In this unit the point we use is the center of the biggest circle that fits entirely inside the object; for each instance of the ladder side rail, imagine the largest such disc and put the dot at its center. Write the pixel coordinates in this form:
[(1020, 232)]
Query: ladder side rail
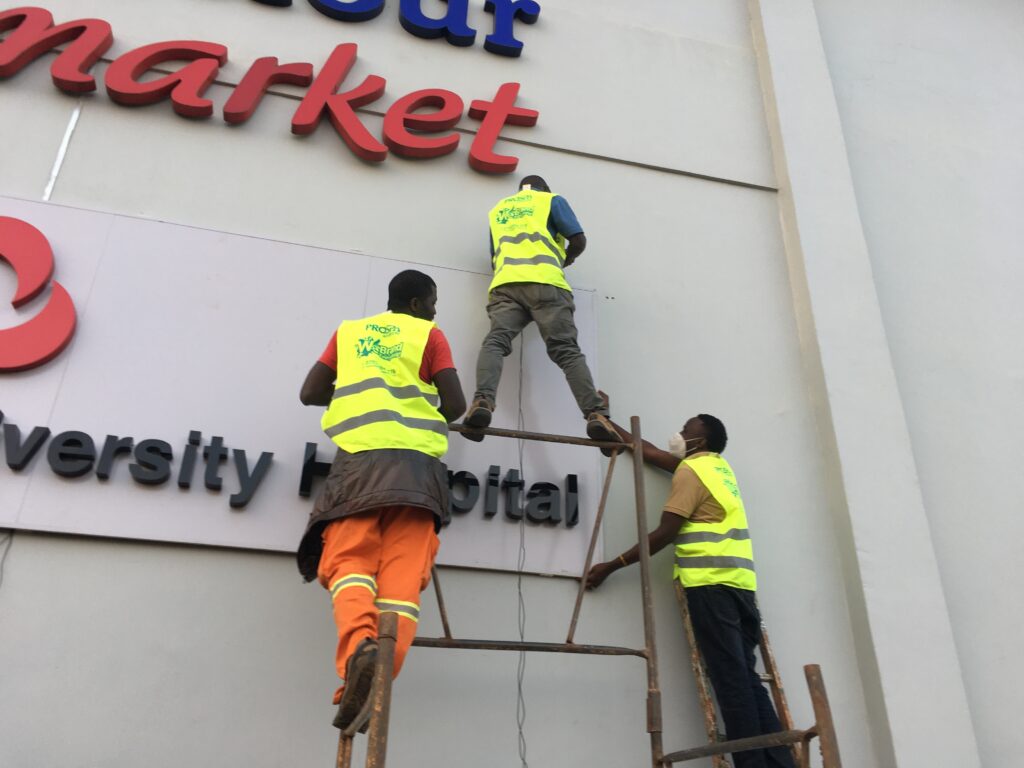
[(344, 759), (700, 678), (440, 603), (380, 701), (590, 550), (654, 719), (823, 717), (775, 683)]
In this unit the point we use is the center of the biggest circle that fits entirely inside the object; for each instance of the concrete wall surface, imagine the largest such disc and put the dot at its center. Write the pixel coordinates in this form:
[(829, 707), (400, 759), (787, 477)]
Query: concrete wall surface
[(931, 97)]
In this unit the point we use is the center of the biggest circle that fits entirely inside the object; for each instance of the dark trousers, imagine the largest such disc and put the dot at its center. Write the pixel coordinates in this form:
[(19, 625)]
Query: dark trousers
[(727, 626)]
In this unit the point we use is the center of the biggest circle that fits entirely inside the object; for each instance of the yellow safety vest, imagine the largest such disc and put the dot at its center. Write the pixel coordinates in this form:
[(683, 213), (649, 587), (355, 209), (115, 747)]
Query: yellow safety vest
[(380, 401), (716, 553), (524, 250)]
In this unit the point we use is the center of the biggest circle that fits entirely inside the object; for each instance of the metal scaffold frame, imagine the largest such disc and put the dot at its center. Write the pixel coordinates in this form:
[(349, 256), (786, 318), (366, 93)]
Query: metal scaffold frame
[(380, 702)]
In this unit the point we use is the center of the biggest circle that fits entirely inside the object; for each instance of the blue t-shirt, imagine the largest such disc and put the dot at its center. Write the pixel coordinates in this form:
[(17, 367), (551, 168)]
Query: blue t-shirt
[(561, 221)]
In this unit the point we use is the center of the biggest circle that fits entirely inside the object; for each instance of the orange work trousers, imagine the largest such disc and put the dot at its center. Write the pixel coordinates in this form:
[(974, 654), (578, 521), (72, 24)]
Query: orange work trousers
[(372, 563)]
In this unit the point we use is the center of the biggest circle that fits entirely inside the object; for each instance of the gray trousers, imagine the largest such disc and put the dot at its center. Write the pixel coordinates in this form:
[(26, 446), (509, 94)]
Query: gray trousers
[(511, 307)]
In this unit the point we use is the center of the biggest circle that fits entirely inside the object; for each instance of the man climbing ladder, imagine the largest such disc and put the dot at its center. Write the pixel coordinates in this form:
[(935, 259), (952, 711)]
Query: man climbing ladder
[(705, 517), (391, 388)]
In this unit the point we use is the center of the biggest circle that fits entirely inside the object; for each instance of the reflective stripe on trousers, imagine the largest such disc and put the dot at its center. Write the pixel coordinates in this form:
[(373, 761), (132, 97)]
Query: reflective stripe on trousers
[(353, 580), (401, 607)]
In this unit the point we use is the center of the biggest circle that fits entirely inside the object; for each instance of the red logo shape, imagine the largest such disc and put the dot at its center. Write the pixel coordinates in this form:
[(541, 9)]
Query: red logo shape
[(42, 338)]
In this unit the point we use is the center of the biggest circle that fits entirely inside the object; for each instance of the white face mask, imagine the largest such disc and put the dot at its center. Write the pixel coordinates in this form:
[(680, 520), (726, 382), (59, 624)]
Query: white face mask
[(677, 445)]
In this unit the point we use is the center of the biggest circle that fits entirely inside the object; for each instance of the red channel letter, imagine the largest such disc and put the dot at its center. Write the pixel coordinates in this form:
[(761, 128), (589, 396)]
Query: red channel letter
[(495, 115), (340, 107), (400, 117), (42, 338), (34, 35), (185, 87), (262, 74)]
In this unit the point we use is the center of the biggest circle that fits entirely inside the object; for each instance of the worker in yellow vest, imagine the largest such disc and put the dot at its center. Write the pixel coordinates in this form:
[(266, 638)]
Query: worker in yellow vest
[(391, 389), (714, 561), (534, 236)]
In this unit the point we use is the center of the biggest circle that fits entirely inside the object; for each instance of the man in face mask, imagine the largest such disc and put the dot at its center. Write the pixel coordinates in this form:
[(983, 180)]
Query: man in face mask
[(714, 561)]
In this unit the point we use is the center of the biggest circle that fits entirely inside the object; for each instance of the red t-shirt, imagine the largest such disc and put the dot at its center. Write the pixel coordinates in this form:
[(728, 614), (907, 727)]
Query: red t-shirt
[(437, 355)]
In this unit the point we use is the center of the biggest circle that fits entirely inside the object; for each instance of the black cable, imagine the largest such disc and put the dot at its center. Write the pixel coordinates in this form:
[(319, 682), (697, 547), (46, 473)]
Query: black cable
[(521, 667), (8, 541)]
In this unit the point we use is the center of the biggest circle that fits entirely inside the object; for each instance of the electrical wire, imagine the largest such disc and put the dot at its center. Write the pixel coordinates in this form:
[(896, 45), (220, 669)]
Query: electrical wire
[(521, 667), (7, 542)]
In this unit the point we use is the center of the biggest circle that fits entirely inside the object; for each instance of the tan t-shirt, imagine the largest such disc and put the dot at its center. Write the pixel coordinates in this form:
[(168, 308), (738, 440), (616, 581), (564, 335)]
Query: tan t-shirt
[(690, 498)]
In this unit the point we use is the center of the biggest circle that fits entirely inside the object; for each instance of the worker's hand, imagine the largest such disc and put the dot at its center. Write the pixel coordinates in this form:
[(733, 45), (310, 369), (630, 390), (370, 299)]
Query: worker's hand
[(569, 261), (598, 574)]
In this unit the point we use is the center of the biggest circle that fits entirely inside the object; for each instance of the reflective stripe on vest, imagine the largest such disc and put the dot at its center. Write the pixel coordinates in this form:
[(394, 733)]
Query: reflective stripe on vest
[(524, 250), (379, 399), (716, 553)]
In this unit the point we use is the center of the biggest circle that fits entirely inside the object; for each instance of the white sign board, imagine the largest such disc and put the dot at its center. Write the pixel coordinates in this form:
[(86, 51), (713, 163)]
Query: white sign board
[(184, 330)]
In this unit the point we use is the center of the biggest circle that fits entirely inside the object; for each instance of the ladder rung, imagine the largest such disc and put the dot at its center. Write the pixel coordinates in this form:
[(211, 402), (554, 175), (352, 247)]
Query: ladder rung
[(780, 739), (766, 678), (516, 645)]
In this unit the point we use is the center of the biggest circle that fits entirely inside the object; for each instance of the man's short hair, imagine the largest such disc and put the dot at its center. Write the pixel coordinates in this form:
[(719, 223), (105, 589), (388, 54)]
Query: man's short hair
[(535, 182), (406, 286), (714, 431)]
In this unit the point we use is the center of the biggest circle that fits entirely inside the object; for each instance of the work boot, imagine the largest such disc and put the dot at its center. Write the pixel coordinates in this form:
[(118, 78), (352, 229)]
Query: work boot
[(599, 428), (479, 417), (358, 683)]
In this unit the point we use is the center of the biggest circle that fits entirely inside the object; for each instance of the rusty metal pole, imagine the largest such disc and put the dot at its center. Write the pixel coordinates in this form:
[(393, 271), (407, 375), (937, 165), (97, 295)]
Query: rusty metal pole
[(699, 677), (377, 741), (592, 547), (344, 751), (653, 691), (823, 717), (778, 692), (440, 603)]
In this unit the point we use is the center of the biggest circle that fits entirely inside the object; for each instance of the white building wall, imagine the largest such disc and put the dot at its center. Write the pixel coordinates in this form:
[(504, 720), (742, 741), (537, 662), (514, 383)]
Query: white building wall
[(931, 97), (172, 655)]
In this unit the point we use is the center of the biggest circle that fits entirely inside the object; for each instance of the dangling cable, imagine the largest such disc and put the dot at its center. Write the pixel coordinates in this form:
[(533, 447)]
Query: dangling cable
[(7, 542), (521, 668)]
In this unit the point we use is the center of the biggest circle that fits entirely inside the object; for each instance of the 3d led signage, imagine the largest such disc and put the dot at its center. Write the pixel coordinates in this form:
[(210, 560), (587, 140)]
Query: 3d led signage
[(453, 26), (31, 33)]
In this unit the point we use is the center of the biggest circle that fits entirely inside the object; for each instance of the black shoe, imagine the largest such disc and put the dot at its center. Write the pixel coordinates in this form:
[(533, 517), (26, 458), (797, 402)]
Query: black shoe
[(358, 683), (479, 417), (479, 414), (599, 428)]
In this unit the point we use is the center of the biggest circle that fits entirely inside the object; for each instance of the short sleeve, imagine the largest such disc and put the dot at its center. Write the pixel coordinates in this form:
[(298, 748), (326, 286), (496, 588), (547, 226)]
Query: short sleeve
[(330, 354), (437, 356), (563, 218), (687, 494)]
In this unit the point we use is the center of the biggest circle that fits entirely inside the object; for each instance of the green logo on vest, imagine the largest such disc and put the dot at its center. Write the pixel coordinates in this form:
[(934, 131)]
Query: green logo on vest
[(505, 215), (383, 330), (370, 345)]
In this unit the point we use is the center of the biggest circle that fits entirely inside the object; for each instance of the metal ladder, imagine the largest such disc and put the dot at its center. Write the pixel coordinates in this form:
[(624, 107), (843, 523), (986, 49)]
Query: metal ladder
[(378, 713)]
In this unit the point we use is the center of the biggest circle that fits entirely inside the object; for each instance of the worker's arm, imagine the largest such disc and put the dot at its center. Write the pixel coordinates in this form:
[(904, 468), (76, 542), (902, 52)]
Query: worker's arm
[(318, 388), (449, 389), (564, 221), (576, 246), (658, 539), (653, 455)]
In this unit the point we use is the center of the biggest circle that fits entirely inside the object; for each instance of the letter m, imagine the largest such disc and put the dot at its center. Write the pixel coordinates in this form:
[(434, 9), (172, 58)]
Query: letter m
[(34, 34)]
